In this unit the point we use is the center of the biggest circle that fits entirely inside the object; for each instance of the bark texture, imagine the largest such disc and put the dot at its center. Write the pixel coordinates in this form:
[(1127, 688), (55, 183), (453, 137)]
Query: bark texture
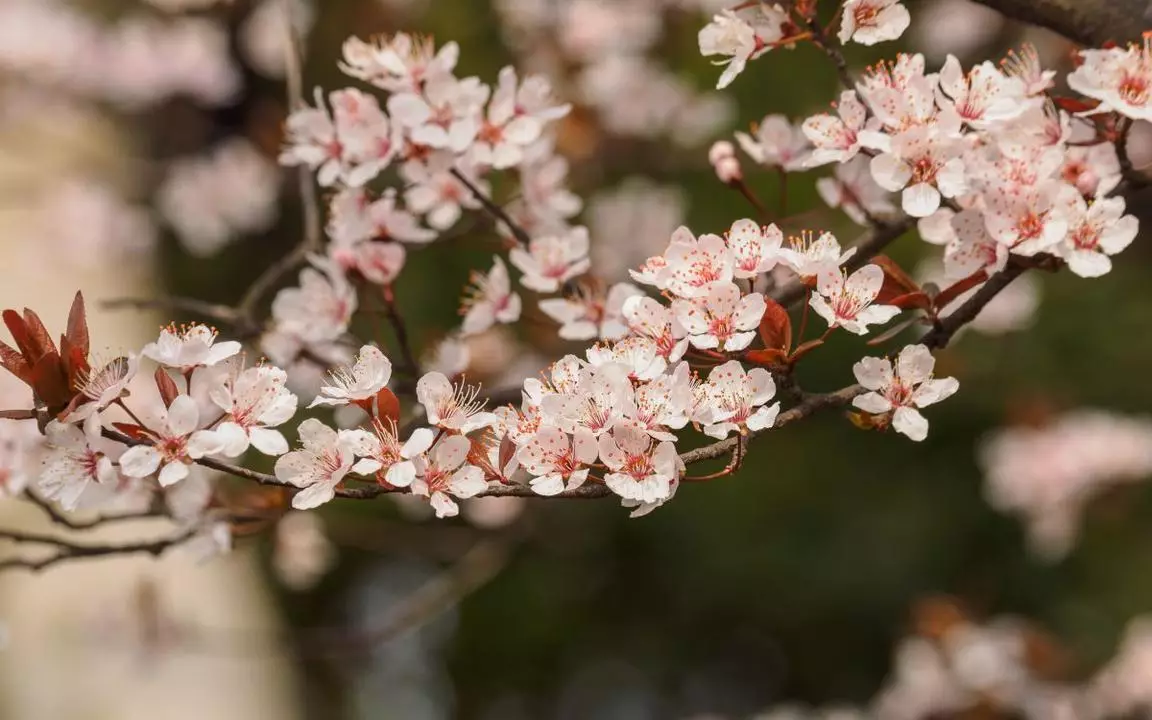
[(1088, 22)]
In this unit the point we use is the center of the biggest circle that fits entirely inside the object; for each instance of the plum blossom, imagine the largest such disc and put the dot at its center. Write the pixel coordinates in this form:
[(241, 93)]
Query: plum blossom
[(321, 464), (434, 192), (775, 142), (835, 138), (722, 318), (175, 444), (846, 300), (515, 119), (1120, 78), (551, 261), (452, 407), (741, 40), (444, 114), (722, 158), (1096, 231), (924, 163), (809, 258), (734, 400), (557, 461), (1028, 222), (490, 301), (442, 474), (311, 141), (694, 264), (256, 401), (189, 346), (637, 355), (643, 472), (852, 189), (400, 63), (75, 456), (319, 309), (659, 405), (902, 388), (590, 313), (754, 249), (873, 21), (984, 97), (103, 386), (368, 376), (395, 457), (648, 318)]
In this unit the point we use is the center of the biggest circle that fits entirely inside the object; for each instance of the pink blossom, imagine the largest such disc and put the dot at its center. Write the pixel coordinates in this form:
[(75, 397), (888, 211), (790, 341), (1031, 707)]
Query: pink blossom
[(721, 318), (902, 388)]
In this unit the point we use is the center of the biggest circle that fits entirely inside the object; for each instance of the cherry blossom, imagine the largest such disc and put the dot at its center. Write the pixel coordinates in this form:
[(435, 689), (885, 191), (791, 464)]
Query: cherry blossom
[(320, 465), (319, 309), (491, 300), (175, 444), (969, 247), (452, 407), (401, 63), (256, 401), (593, 401), (312, 141), (659, 405), (1029, 222), (368, 376), (741, 40), (396, 457), (1025, 66), (722, 158), (433, 191), (189, 346), (775, 142), (873, 21), (643, 475), (638, 356), (924, 164), (75, 456), (444, 114), (901, 388), (984, 97), (557, 461), (1120, 78), (443, 474), (515, 119), (846, 300), (590, 313), (694, 264), (103, 386), (649, 318), (853, 190), (549, 262), (735, 400), (1096, 231), (722, 318), (809, 258), (835, 138)]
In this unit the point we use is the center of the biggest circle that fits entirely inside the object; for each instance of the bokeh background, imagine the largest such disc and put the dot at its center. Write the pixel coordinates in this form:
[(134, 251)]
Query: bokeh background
[(791, 582)]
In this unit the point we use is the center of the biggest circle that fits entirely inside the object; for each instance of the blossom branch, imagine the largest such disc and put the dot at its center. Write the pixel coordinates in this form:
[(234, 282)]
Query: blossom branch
[(67, 550), (498, 213)]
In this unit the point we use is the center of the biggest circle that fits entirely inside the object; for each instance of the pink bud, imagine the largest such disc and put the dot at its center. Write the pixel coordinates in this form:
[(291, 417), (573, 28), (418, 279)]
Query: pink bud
[(721, 150), (723, 158)]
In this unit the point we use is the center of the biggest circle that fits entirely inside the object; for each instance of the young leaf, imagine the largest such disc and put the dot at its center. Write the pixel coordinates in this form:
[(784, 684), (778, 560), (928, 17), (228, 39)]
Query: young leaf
[(804, 349), (78, 325), (167, 386), (38, 337), (897, 283), (776, 327), (388, 405)]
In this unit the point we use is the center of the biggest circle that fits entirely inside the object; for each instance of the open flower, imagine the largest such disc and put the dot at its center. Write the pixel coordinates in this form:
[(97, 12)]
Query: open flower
[(1096, 232), (776, 142), (735, 400), (189, 346), (590, 313), (754, 249), (1120, 78), (103, 386), (872, 21), (846, 301), (442, 474), (835, 137), (326, 457), (649, 318), (395, 457), (491, 300), (810, 259), (256, 401), (551, 261), (722, 318), (452, 407), (902, 388), (368, 376), (557, 461), (643, 472), (76, 456), (175, 444), (741, 40)]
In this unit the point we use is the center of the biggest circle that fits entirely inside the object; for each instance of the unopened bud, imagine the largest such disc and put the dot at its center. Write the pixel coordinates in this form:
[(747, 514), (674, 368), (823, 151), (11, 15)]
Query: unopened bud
[(723, 158)]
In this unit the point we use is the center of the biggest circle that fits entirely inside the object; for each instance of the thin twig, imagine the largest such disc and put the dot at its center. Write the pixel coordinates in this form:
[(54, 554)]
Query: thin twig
[(211, 311), (72, 523), (498, 213), (67, 550)]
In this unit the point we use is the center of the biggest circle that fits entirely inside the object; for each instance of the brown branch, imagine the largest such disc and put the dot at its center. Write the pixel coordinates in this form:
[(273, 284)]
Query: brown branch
[(211, 311), (498, 213), (67, 550), (72, 523), (831, 48), (1088, 22)]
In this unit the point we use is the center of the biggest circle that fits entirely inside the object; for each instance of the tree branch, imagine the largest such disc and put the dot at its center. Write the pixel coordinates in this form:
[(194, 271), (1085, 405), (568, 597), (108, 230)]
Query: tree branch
[(67, 550), (1088, 22), (498, 213)]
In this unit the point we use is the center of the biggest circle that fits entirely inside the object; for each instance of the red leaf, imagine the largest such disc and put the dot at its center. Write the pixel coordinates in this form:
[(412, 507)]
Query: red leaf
[(766, 358), (1075, 105), (507, 452), (78, 324), (916, 299), (14, 363), (804, 349), (388, 405), (776, 327), (132, 430), (955, 290), (19, 332), (896, 282), (38, 336), (167, 386), (49, 383)]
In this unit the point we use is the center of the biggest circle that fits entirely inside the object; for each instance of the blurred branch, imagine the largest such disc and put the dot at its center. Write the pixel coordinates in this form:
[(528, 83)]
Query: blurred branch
[(1088, 22), (72, 523), (67, 550), (498, 213)]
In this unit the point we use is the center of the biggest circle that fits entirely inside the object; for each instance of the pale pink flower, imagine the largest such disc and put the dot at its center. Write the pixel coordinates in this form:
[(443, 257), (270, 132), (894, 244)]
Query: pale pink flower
[(490, 301), (103, 386), (846, 300), (256, 401), (1027, 223), (452, 407), (694, 264), (442, 474), (175, 444), (367, 377), (755, 249), (835, 137), (902, 389), (637, 357), (741, 40), (643, 472), (810, 259), (1094, 170), (396, 458), (321, 464), (1120, 78), (649, 318), (584, 398), (722, 157), (368, 140), (873, 21), (924, 165), (853, 190), (557, 461), (319, 309), (591, 313), (434, 192), (1025, 66), (515, 119), (722, 318), (311, 141), (551, 261), (444, 114), (969, 248), (984, 97), (398, 64), (1096, 231), (736, 400), (776, 142), (74, 457), (189, 347)]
